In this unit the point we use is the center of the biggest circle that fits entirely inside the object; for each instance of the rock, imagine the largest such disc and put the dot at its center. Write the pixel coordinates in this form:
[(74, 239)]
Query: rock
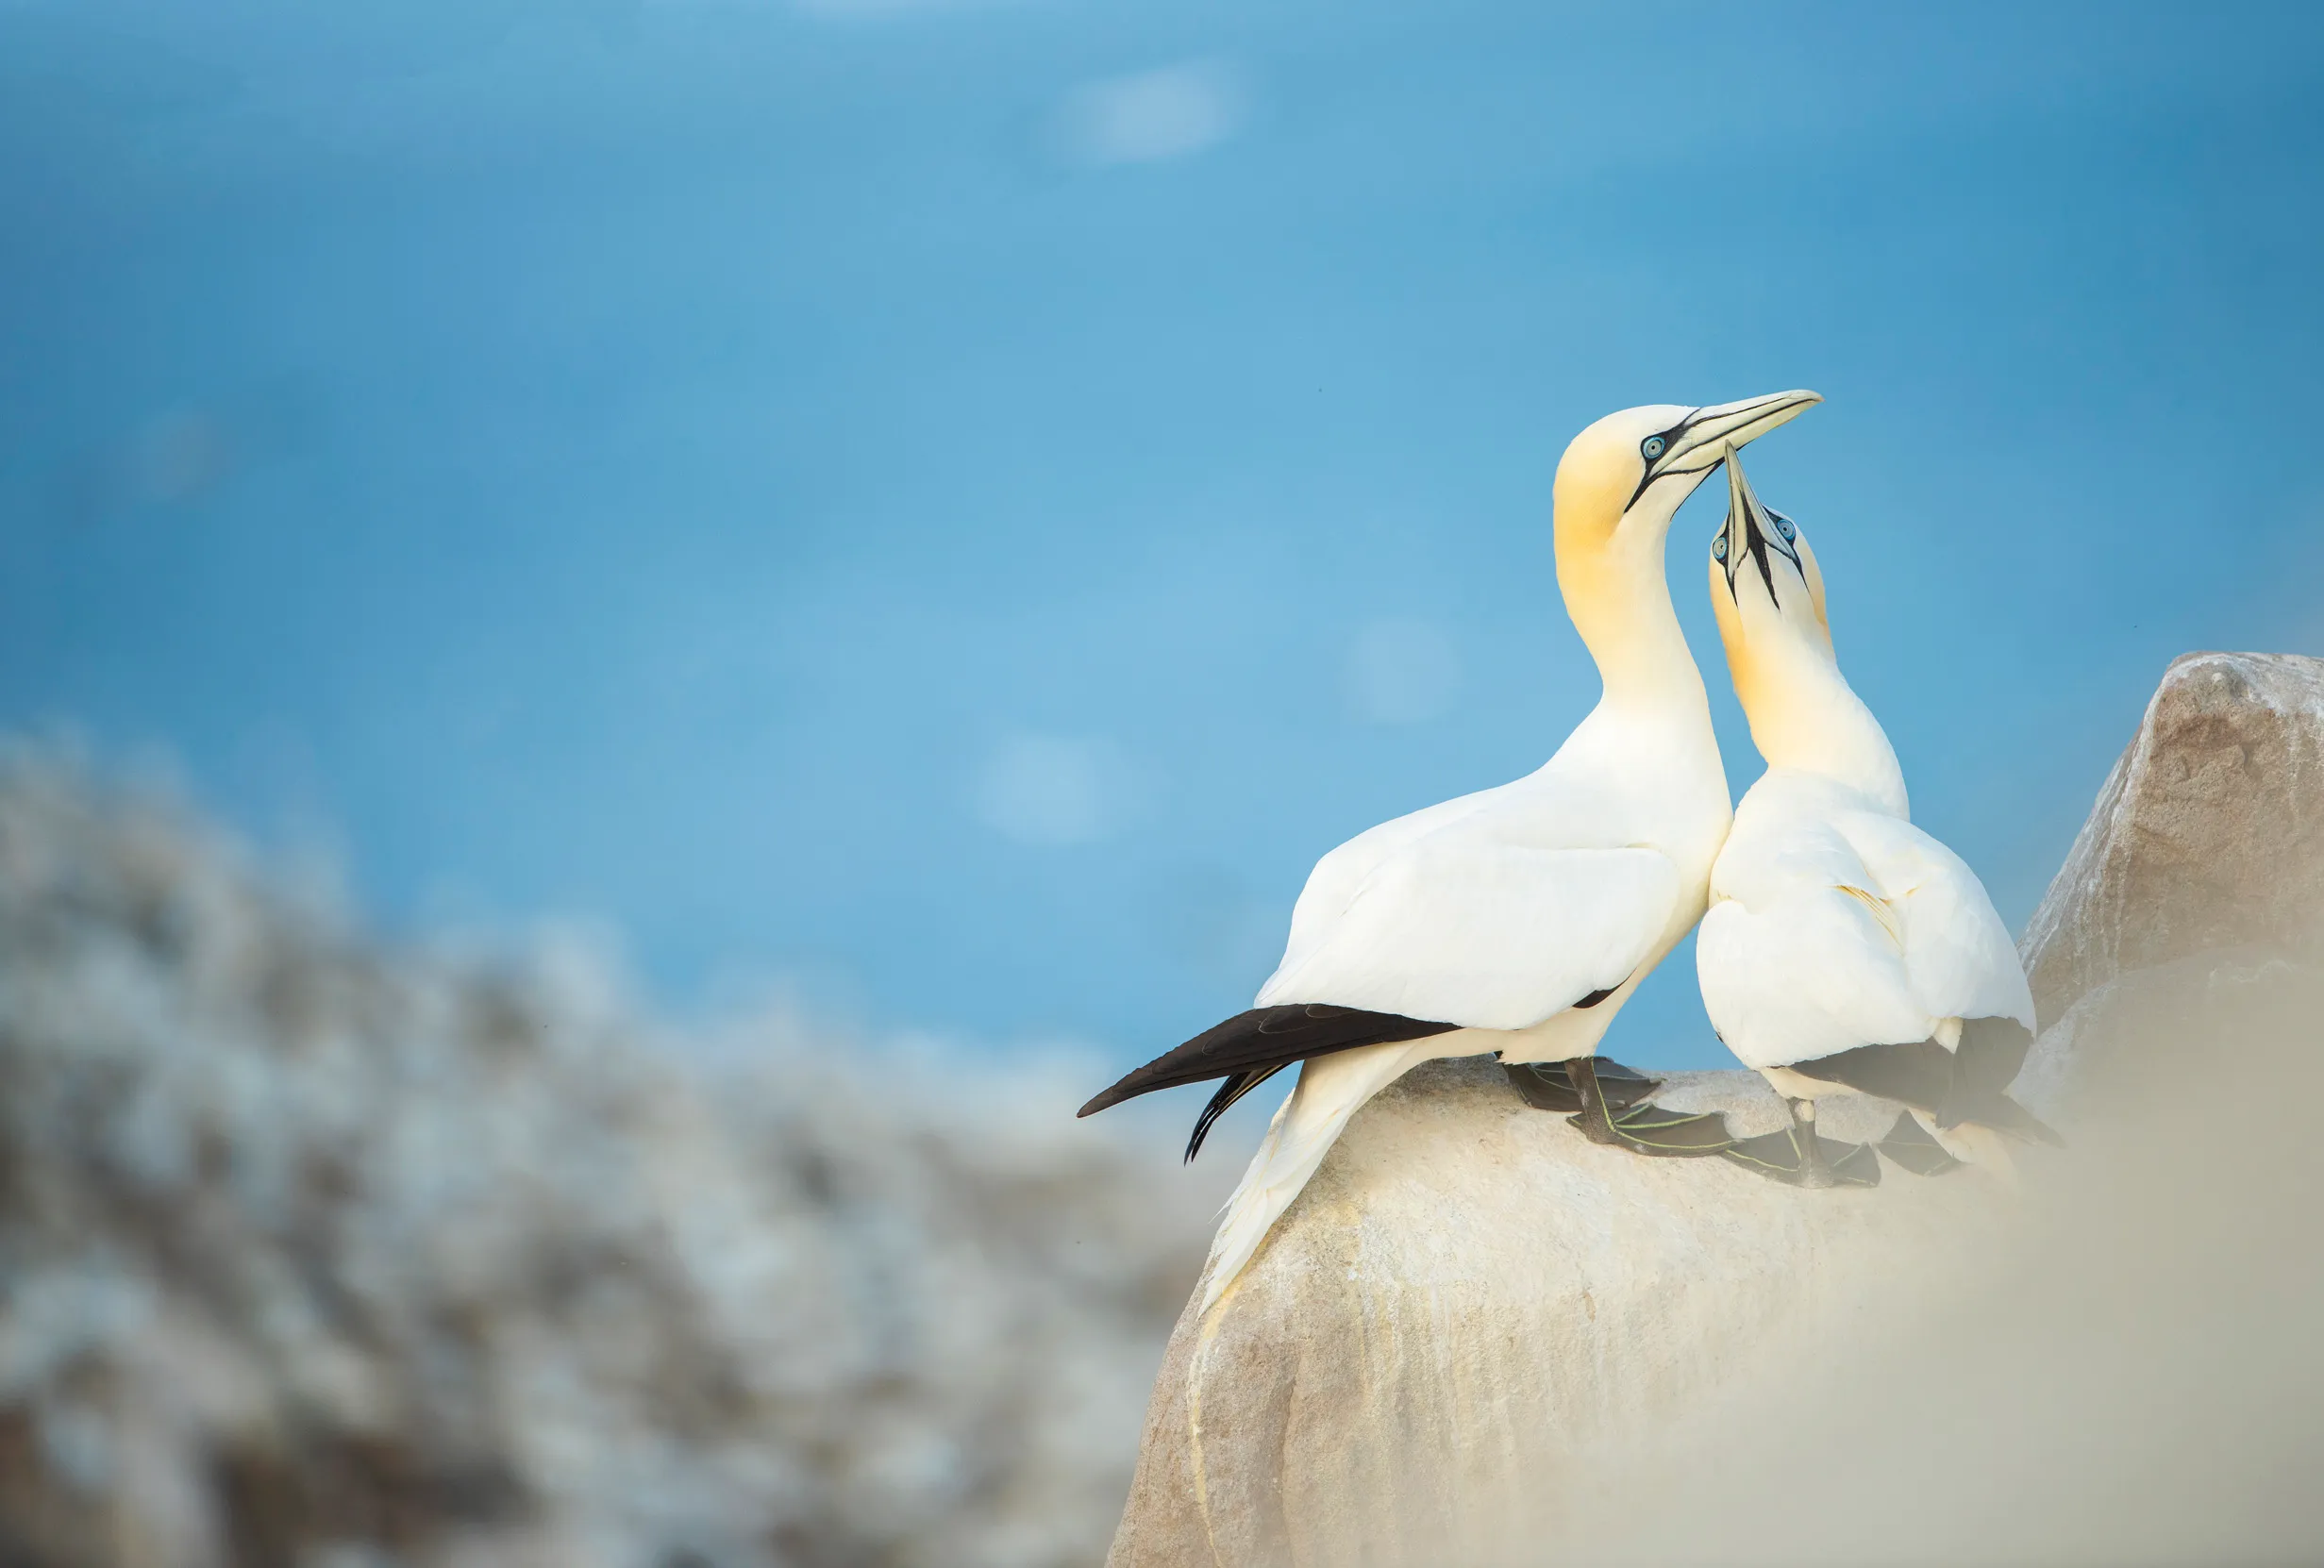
[(2209, 833), (1469, 1293)]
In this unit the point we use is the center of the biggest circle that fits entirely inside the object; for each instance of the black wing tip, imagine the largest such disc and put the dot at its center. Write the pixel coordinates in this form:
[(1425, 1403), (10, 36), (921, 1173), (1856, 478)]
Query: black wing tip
[(1270, 1038), (1103, 1100), (1236, 1086)]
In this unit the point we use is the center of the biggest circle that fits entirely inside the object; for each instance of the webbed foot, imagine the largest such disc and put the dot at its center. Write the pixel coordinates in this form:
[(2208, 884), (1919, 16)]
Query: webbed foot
[(1653, 1130), (1611, 1108), (1798, 1156), (1911, 1146), (1548, 1085)]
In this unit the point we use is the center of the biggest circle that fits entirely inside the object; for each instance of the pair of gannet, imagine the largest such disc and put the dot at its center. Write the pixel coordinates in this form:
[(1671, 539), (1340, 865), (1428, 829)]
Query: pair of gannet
[(1520, 919)]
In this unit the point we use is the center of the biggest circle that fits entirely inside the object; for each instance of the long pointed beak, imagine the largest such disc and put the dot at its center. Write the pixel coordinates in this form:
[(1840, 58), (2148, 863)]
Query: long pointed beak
[(1741, 500), (1751, 531), (1730, 426)]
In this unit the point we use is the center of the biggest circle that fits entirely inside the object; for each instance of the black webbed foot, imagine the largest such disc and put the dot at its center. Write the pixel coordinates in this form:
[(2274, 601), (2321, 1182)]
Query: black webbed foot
[(1852, 1164), (1911, 1146), (1798, 1156), (1650, 1130), (1547, 1085), (1610, 1107)]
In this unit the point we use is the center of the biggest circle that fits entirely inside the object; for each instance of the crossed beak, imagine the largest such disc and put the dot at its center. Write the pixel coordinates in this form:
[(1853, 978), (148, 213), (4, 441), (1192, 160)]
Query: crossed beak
[(1750, 531)]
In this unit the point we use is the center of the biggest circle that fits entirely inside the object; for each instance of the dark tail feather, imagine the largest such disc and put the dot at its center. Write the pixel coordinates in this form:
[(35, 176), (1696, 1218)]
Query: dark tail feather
[(1953, 1087), (1992, 1053), (1917, 1072), (1236, 1086)]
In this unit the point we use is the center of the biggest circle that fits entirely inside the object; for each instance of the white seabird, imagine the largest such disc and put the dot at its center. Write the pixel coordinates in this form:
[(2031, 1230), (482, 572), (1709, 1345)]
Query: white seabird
[(1844, 950), (1519, 919)]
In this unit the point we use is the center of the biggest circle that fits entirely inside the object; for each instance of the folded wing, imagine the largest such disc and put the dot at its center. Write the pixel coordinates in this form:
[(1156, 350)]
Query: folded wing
[(1467, 925), (1957, 951), (1833, 930)]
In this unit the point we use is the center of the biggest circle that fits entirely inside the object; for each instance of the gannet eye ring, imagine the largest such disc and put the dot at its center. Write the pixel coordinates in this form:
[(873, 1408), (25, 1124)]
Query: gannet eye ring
[(1784, 526), (1652, 447), (1718, 548)]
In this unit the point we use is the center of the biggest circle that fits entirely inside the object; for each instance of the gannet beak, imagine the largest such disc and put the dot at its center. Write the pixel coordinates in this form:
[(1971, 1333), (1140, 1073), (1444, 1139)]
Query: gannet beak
[(1711, 433), (1699, 442), (1751, 531), (1742, 500), (1740, 503)]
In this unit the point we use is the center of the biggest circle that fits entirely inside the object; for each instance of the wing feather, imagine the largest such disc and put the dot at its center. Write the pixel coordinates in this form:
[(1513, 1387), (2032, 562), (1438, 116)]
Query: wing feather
[(1835, 925), (1959, 953), (1463, 924)]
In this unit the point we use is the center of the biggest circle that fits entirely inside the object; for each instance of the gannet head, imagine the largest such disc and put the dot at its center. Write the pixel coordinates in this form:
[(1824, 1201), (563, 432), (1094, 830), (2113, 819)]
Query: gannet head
[(1624, 475), (1769, 595), (1765, 587)]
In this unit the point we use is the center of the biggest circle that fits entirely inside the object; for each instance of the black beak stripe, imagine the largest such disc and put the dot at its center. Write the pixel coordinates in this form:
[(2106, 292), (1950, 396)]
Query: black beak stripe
[(1758, 543)]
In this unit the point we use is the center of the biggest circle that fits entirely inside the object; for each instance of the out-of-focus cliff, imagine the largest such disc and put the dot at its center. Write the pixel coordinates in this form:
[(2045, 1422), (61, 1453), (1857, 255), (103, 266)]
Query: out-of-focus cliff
[(314, 1254)]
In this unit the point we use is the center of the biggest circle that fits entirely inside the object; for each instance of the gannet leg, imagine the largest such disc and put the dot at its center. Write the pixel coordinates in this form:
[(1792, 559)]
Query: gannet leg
[(1815, 1170), (1801, 1157)]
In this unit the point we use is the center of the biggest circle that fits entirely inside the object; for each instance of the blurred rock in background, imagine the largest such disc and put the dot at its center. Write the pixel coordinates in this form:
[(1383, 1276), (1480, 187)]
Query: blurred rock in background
[(314, 1254)]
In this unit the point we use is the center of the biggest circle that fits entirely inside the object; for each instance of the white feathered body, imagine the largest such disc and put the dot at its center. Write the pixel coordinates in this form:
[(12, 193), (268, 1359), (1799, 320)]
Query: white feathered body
[(1834, 923)]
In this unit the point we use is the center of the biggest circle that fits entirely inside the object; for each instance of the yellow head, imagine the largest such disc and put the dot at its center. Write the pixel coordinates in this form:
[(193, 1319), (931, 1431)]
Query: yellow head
[(1769, 595), (1620, 482), (1765, 589)]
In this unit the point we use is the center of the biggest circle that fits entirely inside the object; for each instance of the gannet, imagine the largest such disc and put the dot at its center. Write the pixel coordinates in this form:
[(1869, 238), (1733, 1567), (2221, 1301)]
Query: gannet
[(1520, 919), (1845, 949)]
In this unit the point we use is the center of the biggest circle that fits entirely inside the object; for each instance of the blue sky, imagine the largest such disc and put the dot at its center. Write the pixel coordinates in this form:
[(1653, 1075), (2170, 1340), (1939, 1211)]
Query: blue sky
[(953, 508)]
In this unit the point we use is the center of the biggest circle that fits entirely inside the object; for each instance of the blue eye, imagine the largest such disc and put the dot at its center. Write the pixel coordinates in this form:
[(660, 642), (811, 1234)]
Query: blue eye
[(1784, 526), (1652, 447), (1718, 548)]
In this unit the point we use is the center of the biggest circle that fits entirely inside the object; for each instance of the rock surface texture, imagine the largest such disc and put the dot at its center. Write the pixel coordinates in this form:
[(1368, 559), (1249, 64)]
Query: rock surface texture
[(1471, 1303), (1467, 1293), (2208, 834)]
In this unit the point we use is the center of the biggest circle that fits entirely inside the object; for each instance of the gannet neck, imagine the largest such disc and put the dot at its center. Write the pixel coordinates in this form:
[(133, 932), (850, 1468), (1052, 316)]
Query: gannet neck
[(1619, 485), (1619, 599), (1806, 718)]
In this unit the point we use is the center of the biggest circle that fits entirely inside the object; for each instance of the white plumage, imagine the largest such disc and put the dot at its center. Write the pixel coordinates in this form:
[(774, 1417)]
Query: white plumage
[(1835, 924), (1497, 910)]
